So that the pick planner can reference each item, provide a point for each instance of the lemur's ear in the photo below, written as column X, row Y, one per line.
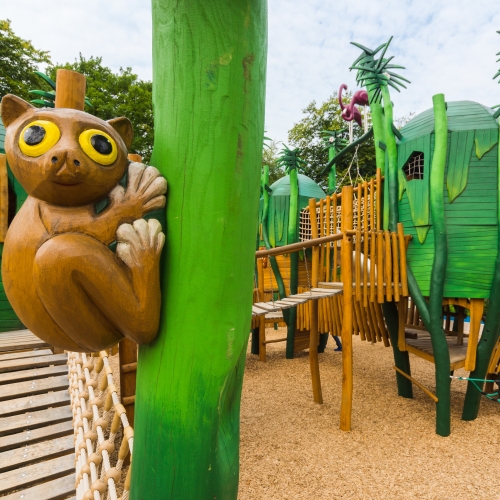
column 12, row 108
column 123, row 126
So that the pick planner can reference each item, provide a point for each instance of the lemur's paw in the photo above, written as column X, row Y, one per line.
column 140, row 241
column 147, row 185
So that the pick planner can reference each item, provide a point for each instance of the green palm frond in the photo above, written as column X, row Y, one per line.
column 290, row 159
column 374, row 72
column 334, row 138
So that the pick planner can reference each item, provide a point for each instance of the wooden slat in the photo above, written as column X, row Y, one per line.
column 33, row 362
column 34, row 435
column 44, row 450
column 373, row 246
column 9, row 391
column 32, row 474
column 402, row 260
column 57, row 489
column 25, row 354
column 366, row 240
column 476, row 312
column 395, row 266
column 37, row 373
column 388, row 266
column 380, row 266
column 379, row 199
column 35, row 419
column 357, row 265
column 32, row 403
column 19, row 346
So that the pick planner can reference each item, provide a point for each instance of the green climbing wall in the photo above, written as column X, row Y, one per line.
column 470, row 196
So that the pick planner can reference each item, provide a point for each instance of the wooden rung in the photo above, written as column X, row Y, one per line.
column 274, row 341
column 32, row 362
column 130, row 367
column 32, row 474
column 332, row 284
column 32, row 403
column 37, row 373
column 418, row 384
column 58, row 488
column 33, row 436
column 35, row 419
column 128, row 400
column 37, row 386
column 269, row 306
column 44, row 450
column 25, row 354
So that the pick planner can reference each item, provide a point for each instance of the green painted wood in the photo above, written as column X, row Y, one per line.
column 458, row 165
column 435, row 326
column 209, row 64
column 485, row 140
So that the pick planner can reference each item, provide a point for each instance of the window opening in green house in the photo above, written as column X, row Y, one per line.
column 414, row 167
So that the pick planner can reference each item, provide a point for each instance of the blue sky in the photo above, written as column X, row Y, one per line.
column 447, row 46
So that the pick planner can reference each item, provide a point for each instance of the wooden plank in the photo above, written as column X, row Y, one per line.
column 19, row 389
column 32, row 474
column 476, row 312
column 32, row 403
column 57, row 489
column 35, row 435
column 19, row 346
column 25, row 354
column 36, row 373
column 44, row 450
column 380, row 266
column 33, row 362
column 34, row 419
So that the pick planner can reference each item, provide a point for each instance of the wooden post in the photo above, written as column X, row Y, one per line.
column 70, row 89
column 209, row 66
column 346, row 272
column 4, row 198
column 313, row 310
column 262, row 319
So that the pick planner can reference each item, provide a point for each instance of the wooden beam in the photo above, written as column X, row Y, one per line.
column 418, row 384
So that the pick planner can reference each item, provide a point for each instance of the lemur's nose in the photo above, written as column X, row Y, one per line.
column 76, row 162
column 54, row 159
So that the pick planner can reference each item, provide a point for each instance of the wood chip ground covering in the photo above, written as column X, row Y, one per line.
column 292, row 448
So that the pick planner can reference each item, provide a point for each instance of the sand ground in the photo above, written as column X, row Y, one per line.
column 292, row 448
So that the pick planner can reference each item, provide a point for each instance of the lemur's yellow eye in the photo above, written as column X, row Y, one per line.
column 99, row 146
column 38, row 137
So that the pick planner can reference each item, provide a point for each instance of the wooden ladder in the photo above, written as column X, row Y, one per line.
column 37, row 459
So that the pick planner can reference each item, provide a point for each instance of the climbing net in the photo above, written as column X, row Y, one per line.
column 95, row 403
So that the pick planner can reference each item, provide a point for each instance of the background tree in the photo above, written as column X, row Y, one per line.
column 270, row 157
column 18, row 62
column 117, row 94
column 306, row 134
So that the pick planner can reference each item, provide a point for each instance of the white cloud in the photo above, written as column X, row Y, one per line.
column 447, row 46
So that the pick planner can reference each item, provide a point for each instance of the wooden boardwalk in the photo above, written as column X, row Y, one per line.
column 36, row 428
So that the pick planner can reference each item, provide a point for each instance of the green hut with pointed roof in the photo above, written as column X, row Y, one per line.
column 8, row 318
column 470, row 197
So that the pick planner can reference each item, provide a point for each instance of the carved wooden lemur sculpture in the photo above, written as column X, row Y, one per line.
column 61, row 278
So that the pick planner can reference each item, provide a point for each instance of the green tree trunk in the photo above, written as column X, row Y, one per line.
column 435, row 326
column 401, row 358
column 209, row 61
column 293, row 231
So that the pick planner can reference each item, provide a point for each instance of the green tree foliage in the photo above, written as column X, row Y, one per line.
column 117, row 94
column 270, row 157
column 18, row 61
column 306, row 135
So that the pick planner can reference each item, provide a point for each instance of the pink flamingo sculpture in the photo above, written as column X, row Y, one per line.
column 350, row 112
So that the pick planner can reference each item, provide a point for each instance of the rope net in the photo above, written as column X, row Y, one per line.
column 99, row 421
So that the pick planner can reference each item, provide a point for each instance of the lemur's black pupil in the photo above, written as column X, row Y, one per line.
column 101, row 144
column 34, row 135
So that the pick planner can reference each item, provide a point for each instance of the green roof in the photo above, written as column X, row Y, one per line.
column 307, row 187
column 462, row 115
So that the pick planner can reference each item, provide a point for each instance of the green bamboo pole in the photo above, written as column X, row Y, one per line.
column 293, row 229
column 435, row 326
column 332, row 174
column 209, row 61
column 489, row 337
column 401, row 358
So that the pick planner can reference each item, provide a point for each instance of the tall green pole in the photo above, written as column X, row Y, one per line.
column 209, row 62
column 401, row 358
column 293, row 237
column 332, row 174
column 435, row 326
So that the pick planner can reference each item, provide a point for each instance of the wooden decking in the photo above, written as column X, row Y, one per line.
column 422, row 347
column 36, row 429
